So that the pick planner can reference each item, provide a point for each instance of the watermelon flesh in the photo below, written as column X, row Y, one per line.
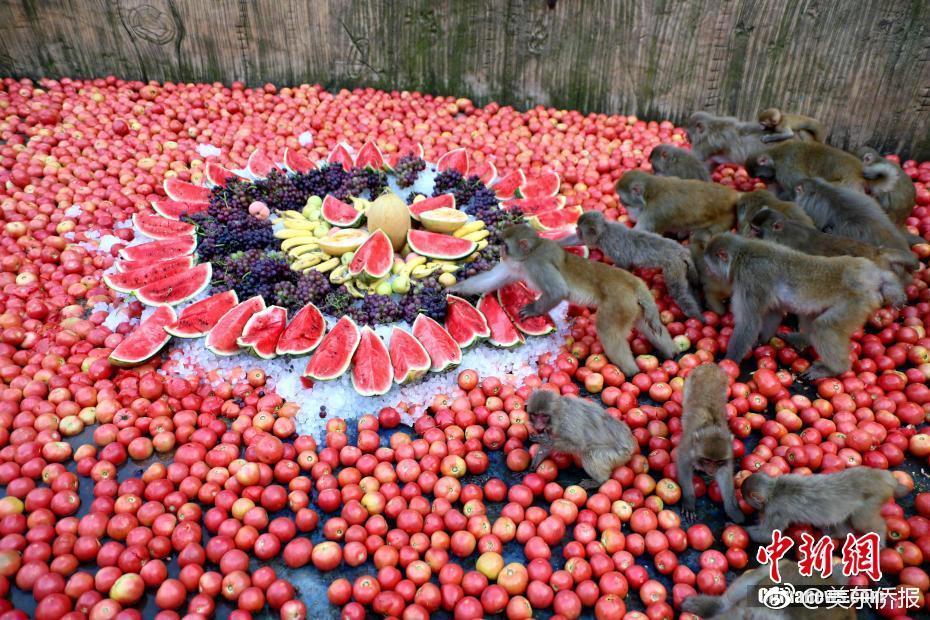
column 146, row 340
column 456, row 159
column 503, row 332
column 174, row 210
column 415, row 151
column 260, row 165
column 218, row 175
column 408, row 357
column 442, row 349
column 507, row 186
column 162, row 249
column 485, row 171
column 513, row 297
column 372, row 373
column 332, row 358
column 222, row 339
column 199, row 318
column 182, row 191
column 535, row 206
column 369, row 156
column 430, row 204
column 545, row 184
column 177, row 288
column 303, row 333
column 129, row 281
column 374, row 258
column 339, row 213
column 437, row 245
column 463, row 321
column 559, row 218
column 157, row 227
column 262, row 330
column 340, row 155
column 297, row 163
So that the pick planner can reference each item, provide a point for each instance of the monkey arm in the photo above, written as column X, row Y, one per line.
column 572, row 239
column 498, row 277
column 547, row 278
column 724, row 479
column 686, row 478
column 747, row 324
column 542, row 454
column 778, row 137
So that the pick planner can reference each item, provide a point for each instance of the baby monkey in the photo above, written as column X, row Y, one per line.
column 837, row 503
column 706, row 440
column 575, row 426
column 670, row 161
column 781, row 126
column 887, row 183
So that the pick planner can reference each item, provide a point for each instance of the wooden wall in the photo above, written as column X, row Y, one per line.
column 861, row 65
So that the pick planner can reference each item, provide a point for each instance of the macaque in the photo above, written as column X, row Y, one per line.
column 786, row 164
column 716, row 291
column 638, row 248
column 832, row 296
column 751, row 203
column 845, row 212
column 780, row 126
column 740, row 601
column 576, row 426
column 840, row 503
column 887, row 182
column 670, row 161
column 723, row 139
column 706, row 440
column 669, row 205
column 623, row 300
column 773, row 226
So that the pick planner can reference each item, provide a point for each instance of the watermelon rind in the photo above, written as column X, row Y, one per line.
column 503, row 332
column 443, row 350
column 173, row 210
column 542, row 185
column 512, row 298
column 146, row 339
column 456, row 159
column 178, row 288
column 367, row 258
column 262, row 330
column 431, row 204
column 439, row 246
column 259, row 164
column 486, row 172
column 369, row 156
column 304, row 332
column 463, row 322
column 332, row 358
column 156, row 226
column 129, row 281
column 163, row 249
column 372, row 373
column 341, row 155
column 222, row 339
column 218, row 175
column 508, row 185
column 339, row 213
column 296, row 162
column 197, row 319
column 409, row 358
column 182, row 191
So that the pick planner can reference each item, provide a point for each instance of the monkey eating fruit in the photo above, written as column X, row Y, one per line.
column 887, row 183
column 670, row 161
column 786, row 164
column 723, row 139
column 751, row 203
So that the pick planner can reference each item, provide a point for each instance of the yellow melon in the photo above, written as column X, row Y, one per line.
column 388, row 212
column 341, row 241
column 443, row 220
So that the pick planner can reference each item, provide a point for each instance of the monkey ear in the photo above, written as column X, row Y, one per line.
column 663, row 154
column 699, row 127
column 799, row 190
column 637, row 189
column 524, row 245
column 777, row 225
column 723, row 255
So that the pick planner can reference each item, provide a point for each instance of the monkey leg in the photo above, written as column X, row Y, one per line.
column 676, row 280
column 770, row 323
column 747, row 324
column 599, row 464
column 686, row 483
column 777, row 137
column 839, row 530
column 724, row 479
column 869, row 519
column 613, row 328
column 830, row 334
column 659, row 337
column 703, row 605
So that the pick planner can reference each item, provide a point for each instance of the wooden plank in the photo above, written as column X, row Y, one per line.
column 862, row 67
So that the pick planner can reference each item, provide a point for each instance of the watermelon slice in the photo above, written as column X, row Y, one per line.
column 507, row 186
column 297, row 163
column 408, row 357
column 456, row 159
column 503, row 332
column 485, row 171
column 369, row 156
column 545, row 185
column 339, row 213
column 224, row 335
column 162, row 249
column 303, row 333
column 146, row 340
column 535, row 206
column 512, row 298
column 262, row 330
column 157, row 227
column 182, row 191
column 560, row 218
column 341, row 155
column 129, row 281
column 429, row 204
column 218, row 175
column 174, row 210
column 415, row 150
column 436, row 245
column 177, row 288
column 333, row 356
column 374, row 258
column 443, row 350
column 200, row 317
column 372, row 373
column 463, row 322
column 124, row 266
column 260, row 165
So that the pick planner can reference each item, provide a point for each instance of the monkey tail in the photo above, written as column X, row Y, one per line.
column 658, row 334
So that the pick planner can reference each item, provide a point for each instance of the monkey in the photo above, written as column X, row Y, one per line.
column 669, row 205
column 782, row 126
column 723, row 139
column 577, row 426
column 832, row 296
column 741, row 602
column 774, row 226
column 706, row 440
column 845, row 212
column 715, row 289
column 750, row 203
column 638, row 248
column 622, row 299
column 838, row 503
column 786, row 164
column 669, row 161
column 887, row 183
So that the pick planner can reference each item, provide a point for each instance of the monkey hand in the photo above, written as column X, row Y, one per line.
column 759, row 534
column 770, row 138
column 529, row 311
column 589, row 484
column 816, row 371
column 737, row 517
column 688, row 515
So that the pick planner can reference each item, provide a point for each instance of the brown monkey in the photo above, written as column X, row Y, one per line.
column 622, row 299
column 706, row 440
column 723, row 139
column 786, row 164
column 741, row 600
column 751, row 203
column 639, row 248
column 848, row 213
column 669, row 161
column 832, row 296
column 773, row 226
column 716, row 290
column 887, row 182
column 669, row 205
column 838, row 503
column 782, row 126
column 577, row 426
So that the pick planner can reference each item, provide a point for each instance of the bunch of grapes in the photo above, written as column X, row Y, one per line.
column 428, row 297
column 321, row 182
column 360, row 181
column 336, row 302
column 281, row 191
column 462, row 188
column 408, row 169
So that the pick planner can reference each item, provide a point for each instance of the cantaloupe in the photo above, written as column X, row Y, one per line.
column 388, row 212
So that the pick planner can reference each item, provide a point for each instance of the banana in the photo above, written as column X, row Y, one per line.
column 304, row 263
column 423, row 271
column 415, row 261
column 346, row 258
column 293, row 242
column 478, row 235
column 340, row 275
column 328, row 265
column 300, row 250
column 288, row 233
column 449, row 268
column 301, row 224
column 398, row 266
column 294, row 214
column 482, row 244
column 469, row 228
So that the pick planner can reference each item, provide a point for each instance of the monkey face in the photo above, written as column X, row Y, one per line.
column 710, row 466
column 761, row 166
column 519, row 240
column 717, row 258
column 868, row 155
column 590, row 226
